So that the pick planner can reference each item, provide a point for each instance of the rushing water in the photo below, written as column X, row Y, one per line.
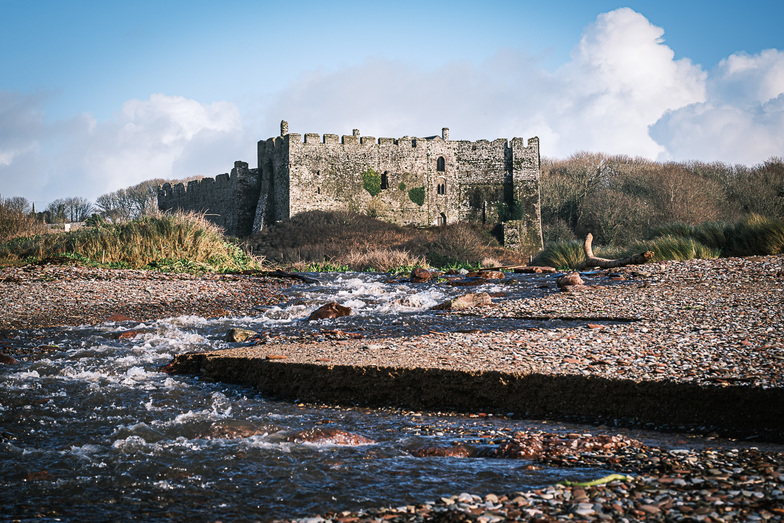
column 92, row 431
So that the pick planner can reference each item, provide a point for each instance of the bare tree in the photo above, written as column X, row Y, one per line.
column 127, row 204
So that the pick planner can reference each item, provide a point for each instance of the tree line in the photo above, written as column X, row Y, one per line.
column 620, row 199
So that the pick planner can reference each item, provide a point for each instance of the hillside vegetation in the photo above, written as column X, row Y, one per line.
column 678, row 210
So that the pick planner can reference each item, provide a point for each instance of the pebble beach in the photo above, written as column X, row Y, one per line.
column 715, row 324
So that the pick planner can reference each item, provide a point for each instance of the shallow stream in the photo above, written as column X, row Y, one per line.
column 91, row 430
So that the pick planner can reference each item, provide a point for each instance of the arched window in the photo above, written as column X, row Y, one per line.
column 384, row 180
column 441, row 187
column 440, row 164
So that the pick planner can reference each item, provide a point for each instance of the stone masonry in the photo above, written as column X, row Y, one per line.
column 408, row 181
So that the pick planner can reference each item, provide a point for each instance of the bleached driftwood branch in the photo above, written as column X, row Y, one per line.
column 604, row 263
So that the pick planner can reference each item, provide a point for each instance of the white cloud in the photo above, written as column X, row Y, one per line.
column 163, row 137
column 742, row 121
column 21, row 125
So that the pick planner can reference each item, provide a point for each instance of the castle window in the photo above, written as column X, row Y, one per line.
column 440, row 164
column 384, row 180
column 318, row 190
column 441, row 187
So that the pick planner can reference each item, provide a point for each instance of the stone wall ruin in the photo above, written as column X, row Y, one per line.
column 408, row 181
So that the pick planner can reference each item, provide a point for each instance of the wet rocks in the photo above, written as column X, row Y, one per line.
column 237, row 335
column 8, row 360
column 420, row 275
column 465, row 301
column 329, row 310
column 569, row 280
column 234, row 429
column 329, row 436
column 456, row 451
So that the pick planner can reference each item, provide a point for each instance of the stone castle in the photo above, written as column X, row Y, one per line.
column 408, row 181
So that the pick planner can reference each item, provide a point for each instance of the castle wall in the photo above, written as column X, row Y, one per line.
column 408, row 181
column 228, row 200
column 326, row 173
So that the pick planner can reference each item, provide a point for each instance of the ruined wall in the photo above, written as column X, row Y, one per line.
column 228, row 200
column 393, row 179
column 408, row 181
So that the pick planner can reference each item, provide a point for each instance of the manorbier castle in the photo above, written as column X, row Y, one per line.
column 408, row 181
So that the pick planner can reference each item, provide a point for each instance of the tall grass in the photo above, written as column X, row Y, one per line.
column 175, row 242
column 752, row 235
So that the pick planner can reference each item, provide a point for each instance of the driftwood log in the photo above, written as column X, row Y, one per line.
column 604, row 263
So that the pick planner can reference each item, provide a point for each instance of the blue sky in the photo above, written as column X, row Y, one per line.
column 97, row 96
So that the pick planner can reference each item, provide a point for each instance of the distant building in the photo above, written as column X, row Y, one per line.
column 408, row 181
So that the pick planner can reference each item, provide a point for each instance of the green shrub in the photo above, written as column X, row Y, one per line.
column 457, row 244
column 513, row 211
column 417, row 195
column 755, row 235
column 561, row 254
column 679, row 248
column 371, row 181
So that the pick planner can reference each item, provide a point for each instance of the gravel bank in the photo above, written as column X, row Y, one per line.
column 38, row 296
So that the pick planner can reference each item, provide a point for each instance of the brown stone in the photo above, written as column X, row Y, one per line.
column 330, row 310
column 568, row 280
column 492, row 275
column 465, row 301
column 118, row 318
column 8, row 360
column 330, row 436
column 420, row 275
column 535, row 270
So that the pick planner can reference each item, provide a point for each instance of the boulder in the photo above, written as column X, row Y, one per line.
column 8, row 360
column 465, row 301
column 569, row 280
column 420, row 275
column 330, row 310
column 237, row 335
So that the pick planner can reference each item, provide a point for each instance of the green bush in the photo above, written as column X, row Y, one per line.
column 371, row 181
column 561, row 254
column 417, row 195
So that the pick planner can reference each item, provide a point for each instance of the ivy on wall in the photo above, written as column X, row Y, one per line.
column 417, row 195
column 371, row 181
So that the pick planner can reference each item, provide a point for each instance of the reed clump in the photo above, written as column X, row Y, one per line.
column 183, row 242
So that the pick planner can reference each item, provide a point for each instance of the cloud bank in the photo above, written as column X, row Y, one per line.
column 622, row 92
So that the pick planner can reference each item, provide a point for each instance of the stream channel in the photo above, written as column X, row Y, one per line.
column 92, row 430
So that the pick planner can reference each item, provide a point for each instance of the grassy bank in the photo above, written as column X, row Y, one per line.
column 180, row 243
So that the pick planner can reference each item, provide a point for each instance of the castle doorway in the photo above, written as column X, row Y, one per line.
column 442, row 219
